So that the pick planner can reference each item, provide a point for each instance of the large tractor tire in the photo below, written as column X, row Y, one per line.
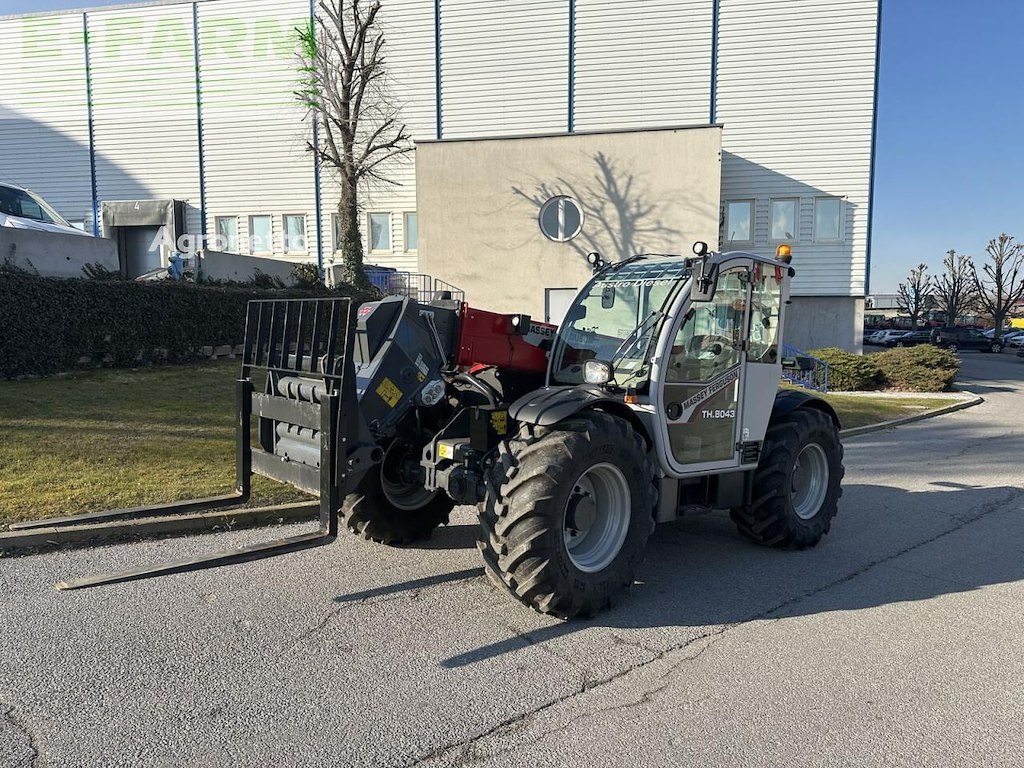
column 797, row 484
column 390, row 504
column 568, row 513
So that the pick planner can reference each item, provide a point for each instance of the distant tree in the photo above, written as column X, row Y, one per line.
column 955, row 293
column 344, row 81
column 1000, row 288
column 914, row 296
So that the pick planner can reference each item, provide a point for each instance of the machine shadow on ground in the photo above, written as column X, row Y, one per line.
column 699, row 572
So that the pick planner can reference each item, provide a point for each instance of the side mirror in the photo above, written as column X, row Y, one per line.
column 704, row 286
column 576, row 312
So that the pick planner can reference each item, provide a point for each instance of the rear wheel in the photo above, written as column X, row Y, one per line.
column 996, row 347
column 797, row 483
column 568, row 513
column 952, row 346
column 390, row 504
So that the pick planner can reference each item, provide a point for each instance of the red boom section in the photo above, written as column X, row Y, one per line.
column 488, row 338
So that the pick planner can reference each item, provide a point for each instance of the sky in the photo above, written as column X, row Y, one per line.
column 949, row 162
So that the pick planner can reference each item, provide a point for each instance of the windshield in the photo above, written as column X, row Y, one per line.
column 21, row 202
column 616, row 318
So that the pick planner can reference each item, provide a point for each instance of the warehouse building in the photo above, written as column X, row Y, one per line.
column 543, row 130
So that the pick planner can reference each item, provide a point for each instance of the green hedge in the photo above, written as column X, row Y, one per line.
column 923, row 368
column 47, row 325
column 848, row 372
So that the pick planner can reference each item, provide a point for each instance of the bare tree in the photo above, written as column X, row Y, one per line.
column 914, row 296
column 344, row 86
column 955, row 293
column 1000, row 290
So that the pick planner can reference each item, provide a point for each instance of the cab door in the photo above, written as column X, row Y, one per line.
column 702, row 375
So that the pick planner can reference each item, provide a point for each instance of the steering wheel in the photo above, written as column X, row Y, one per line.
column 715, row 345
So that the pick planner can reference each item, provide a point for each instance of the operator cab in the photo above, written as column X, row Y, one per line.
column 689, row 344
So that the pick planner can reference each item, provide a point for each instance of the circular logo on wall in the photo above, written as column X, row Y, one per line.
column 561, row 219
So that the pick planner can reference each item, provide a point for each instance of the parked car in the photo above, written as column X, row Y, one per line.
column 909, row 339
column 885, row 336
column 955, row 339
column 875, row 337
column 23, row 209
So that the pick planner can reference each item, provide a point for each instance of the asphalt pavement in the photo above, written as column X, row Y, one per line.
column 898, row 641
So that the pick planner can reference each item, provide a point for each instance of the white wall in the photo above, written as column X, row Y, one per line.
column 794, row 93
column 795, row 97
column 144, row 105
column 642, row 64
column 44, row 127
column 254, row 131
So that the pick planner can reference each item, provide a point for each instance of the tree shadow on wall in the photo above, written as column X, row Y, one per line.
column 616, row 211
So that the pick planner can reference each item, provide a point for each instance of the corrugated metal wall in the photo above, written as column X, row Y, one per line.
column 408, row 27
column 796, row 97
column 44, row 128
column 504, row 67
column 794, row 92
column 254, row 132
column 144, row 105
column 642, row 64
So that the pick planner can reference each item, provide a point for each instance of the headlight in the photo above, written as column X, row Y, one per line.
column 597, row 372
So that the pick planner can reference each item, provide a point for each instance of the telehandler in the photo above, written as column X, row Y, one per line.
column 655, row 396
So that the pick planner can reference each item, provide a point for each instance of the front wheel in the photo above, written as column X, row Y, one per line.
column 952, row 346
column 568, row 513
column 390, row 504
column 797, row 484
column 996, row 347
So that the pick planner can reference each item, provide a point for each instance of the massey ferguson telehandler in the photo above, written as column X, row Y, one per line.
column 657, row 395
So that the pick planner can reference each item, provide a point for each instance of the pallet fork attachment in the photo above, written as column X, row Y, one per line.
column 309, row 343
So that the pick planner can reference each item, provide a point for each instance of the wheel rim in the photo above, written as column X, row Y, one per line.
column 597, row 517
column 809, row 484
column 952, row 347
column 398, row 481
column 997, row 348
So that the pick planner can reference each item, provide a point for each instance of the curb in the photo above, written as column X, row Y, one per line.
column 121, row 530
column 893, row 423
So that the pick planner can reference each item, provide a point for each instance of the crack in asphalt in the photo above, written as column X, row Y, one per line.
column 22, row 728
column 516, row 722
column 466, row 750
column 410, row 595
column 985, row 510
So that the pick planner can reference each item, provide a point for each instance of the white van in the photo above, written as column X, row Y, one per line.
column 22, row 209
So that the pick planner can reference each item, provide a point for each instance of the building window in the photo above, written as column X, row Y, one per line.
column 295, row 234
column 412, row 232
column 226, row 237
column 260, row 235
column 827, row 220
column 380, row 231
column 739, row 221
column 561, row 219
column 784, row 220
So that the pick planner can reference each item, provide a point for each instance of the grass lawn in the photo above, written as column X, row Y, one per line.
column 859, row 411
column 108, row 439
